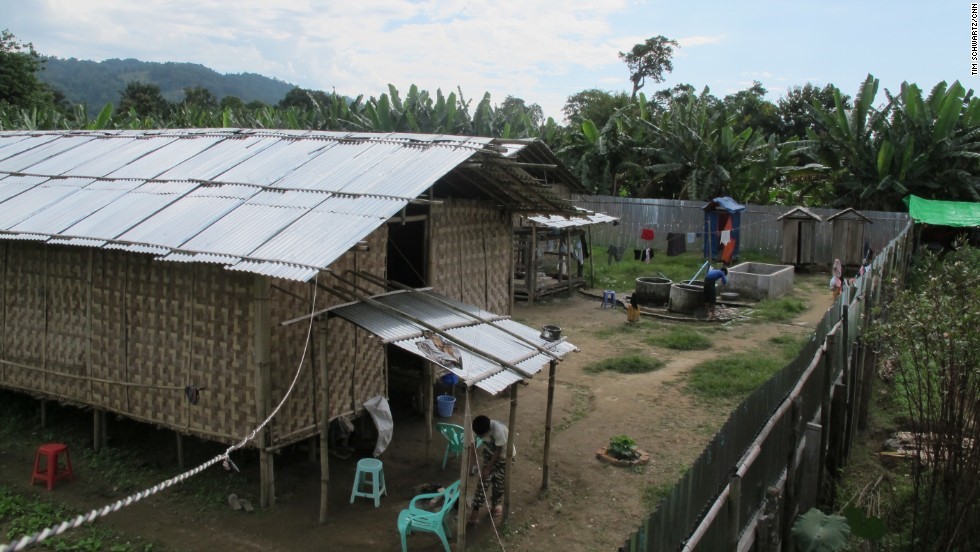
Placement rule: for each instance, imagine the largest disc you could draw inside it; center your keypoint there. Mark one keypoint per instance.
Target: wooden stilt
(262, 325)
(180, 450)
(428, 398)
(591, 259)
(531, 275)
(552, 366)
(511, 430)
(464, 471)
(96, 430)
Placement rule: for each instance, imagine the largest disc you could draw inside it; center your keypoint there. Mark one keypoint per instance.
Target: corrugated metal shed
(482, 338)
(280, 203)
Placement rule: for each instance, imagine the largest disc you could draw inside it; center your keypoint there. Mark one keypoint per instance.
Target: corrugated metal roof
(480, 336)
(281, 203)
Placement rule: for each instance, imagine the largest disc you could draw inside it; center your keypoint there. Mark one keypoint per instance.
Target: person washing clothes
(710, 289)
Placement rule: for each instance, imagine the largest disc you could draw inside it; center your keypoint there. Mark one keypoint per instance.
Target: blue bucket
(445, 405)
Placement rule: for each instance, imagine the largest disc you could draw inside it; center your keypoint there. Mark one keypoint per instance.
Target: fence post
(828, 383)
(789, 493)
(734, 507)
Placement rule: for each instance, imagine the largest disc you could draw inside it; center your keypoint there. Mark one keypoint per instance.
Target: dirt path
(589, 505)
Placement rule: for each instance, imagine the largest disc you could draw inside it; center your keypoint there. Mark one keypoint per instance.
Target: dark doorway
(406, 253)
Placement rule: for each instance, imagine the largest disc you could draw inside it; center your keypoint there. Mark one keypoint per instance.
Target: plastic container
(445, 405)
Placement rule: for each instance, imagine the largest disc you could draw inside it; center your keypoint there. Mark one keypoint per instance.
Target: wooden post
(262, 327)
(591, 258)
(734, 510)
(531, 276)
(825, 428)
(464, 471)
(428, 398)
(96, 430)
(321, 331)
(568, 259)
(44, 413)
(547, 424)
(509, 451)
(790, 512)
(180, 450)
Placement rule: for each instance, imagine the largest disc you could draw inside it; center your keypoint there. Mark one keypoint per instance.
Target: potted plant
(623, 447)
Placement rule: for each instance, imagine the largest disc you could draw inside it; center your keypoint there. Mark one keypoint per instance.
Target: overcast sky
(539, 50)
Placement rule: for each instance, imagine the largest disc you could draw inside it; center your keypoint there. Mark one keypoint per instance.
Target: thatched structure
(149, 273)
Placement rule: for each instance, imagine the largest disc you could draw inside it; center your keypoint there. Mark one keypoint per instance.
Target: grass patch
(681, 339)
(782, 309)
(627, 364)
(653, 494)
(735, 377)
(20, 515)
(621, 329)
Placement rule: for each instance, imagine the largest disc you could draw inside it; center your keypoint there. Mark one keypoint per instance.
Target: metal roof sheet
(274, 202)
(480, 336)
(586, 218)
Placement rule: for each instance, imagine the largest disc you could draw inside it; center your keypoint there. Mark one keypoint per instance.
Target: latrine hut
(847, 235)
(171, 276)
(722, 229)
(799, 236)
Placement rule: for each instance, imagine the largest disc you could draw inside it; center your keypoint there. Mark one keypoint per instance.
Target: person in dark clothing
(710, 291)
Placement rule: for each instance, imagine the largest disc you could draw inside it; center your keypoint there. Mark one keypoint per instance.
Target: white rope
(64, 526)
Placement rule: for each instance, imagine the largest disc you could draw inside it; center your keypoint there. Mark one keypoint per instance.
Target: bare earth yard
(589, 506)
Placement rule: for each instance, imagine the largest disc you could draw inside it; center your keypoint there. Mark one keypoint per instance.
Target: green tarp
(943, 213)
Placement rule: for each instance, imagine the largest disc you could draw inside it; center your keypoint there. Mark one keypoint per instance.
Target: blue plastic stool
(372, 467)
(608, 298)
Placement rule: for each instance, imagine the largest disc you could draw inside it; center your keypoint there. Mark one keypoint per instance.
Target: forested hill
(96, 83)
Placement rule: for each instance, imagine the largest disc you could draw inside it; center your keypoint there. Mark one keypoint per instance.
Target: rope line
(93, 515)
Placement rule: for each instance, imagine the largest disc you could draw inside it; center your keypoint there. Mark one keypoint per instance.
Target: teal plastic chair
(454, 434)
(418, 520)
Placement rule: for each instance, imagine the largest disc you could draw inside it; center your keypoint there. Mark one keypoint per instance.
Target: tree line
(815, 146)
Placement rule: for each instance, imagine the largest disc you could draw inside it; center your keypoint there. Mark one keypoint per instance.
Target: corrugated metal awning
(584, 219)
(495, 351)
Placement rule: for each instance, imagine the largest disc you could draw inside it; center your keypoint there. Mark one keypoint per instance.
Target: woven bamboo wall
(24, 316)
(122, 332)
(471, 252)
(356, 359)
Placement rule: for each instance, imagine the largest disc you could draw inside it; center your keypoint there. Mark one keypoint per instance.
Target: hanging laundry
(726, 236)
(726, 253)
(690, 237)
(646, 234)
(647, 255)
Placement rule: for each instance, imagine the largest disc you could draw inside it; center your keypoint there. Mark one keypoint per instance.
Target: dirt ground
(589, 505)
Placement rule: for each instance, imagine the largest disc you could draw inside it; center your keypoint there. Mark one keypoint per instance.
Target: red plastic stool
(51, 472)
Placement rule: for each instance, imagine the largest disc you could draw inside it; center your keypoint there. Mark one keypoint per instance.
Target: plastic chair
(418, 520)
(374, 468)
(454, 434)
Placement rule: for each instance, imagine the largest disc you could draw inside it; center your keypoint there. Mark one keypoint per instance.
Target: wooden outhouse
(722, 229)
(847, 234)
(799, 236)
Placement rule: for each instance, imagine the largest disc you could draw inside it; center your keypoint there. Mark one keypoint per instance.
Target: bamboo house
(172, 276)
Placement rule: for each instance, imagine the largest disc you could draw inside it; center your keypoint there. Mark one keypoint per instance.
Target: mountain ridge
(95, 83)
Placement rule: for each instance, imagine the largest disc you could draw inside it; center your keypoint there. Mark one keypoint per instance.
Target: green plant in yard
(623, 448)
(734, 377)
(681, 339)
(781, 309)
(628, 364)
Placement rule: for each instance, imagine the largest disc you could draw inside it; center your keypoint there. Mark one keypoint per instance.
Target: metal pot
(550, 333)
